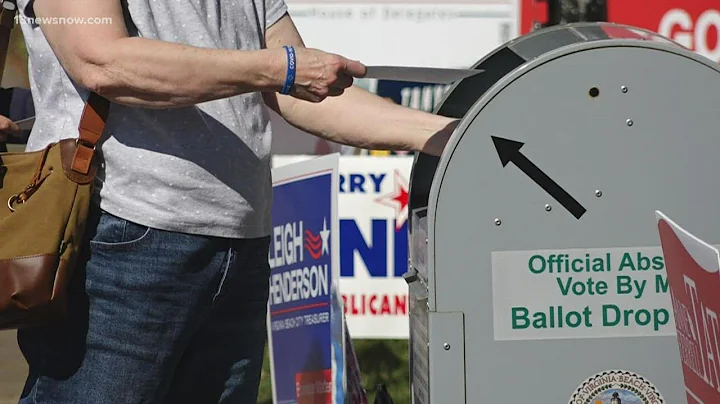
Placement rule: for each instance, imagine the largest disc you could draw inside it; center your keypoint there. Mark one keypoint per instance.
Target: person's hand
(8, 128)
(319, 75)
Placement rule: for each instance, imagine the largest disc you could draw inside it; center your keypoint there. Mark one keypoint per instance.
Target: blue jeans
(155, 317)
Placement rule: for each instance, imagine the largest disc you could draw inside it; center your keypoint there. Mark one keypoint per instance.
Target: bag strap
(95, 112)
(92, 125)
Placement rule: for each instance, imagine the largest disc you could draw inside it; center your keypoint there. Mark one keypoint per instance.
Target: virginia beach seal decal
(616, 387)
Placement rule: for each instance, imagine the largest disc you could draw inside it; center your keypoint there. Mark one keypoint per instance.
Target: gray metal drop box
(536, 274)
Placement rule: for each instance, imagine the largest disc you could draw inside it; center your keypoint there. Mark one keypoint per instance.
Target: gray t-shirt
(203, 169)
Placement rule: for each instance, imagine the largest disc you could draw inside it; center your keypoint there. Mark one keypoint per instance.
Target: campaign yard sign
(305, 318)
(373, 211)
(694, 279)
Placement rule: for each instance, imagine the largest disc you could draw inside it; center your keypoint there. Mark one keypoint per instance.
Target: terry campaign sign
(692, 271)
(373, 211)
(305, 319)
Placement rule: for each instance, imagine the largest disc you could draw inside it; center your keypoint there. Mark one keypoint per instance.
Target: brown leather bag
(44, 205)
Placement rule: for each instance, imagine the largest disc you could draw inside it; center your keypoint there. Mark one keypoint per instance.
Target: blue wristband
(290, 77)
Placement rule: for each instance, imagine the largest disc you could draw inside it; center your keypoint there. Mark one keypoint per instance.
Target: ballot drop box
(536, 273)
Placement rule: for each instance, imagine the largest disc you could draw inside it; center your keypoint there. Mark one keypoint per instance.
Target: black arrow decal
(509, 150)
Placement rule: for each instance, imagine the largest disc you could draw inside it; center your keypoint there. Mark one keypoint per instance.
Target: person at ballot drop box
(170, 303)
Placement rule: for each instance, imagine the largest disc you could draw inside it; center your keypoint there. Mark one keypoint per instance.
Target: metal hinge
(63, 247)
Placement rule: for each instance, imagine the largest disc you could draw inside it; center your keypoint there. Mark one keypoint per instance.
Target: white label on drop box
(581, 293)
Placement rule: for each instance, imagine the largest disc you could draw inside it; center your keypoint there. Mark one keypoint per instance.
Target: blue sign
(305, 319)
(373, 251)
(372, 248)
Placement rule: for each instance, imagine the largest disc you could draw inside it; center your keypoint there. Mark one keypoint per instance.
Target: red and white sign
(693, 277)
(694, 24)
(531, 12)
(314, 387)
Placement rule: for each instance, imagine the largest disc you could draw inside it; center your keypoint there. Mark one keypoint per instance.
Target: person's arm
(357, 117)
(155, 74)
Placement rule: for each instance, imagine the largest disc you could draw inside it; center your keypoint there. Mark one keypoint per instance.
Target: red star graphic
(398, 200)
(402, 198)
